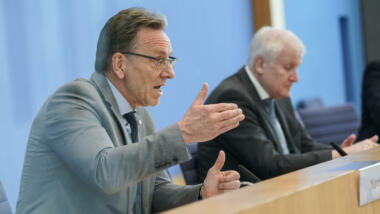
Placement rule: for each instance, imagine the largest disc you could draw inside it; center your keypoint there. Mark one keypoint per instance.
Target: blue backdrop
(322, 72)
(45, 43)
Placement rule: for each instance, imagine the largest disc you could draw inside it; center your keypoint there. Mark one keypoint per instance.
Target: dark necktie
(280, 135)
(131, 119)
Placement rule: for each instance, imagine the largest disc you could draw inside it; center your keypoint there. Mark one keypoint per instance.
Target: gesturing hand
(368, 143)
(348, 141)
(217, 181)
(205, 122)
(350, 148)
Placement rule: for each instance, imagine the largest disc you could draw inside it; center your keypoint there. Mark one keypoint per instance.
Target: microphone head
(247, 174)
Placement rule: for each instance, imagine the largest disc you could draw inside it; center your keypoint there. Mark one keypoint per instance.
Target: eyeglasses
(160, 62)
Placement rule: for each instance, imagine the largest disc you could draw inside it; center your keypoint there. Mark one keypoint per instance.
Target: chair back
(189, 168)
(313, 102)
(328, 124)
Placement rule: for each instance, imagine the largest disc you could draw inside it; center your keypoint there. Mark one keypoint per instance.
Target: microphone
(338, 149)
(248, 174)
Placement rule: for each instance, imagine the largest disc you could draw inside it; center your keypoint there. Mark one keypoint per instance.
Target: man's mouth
(158, 86)
(158, 89)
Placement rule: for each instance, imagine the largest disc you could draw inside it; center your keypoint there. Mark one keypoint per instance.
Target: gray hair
(119, 33)
(268, 42)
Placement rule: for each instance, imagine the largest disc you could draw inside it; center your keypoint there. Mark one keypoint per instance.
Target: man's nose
(168, 72)
(294, 76)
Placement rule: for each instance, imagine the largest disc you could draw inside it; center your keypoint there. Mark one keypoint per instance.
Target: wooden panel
(261, 13)
(330, 187)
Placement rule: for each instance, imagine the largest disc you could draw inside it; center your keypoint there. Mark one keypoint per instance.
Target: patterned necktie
(280, 135)
(131, 119)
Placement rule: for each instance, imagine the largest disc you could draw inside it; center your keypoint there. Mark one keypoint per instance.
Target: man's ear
(119, 65)
(259, 64)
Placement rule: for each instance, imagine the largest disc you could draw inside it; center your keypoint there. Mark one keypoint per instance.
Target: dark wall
(371, 28)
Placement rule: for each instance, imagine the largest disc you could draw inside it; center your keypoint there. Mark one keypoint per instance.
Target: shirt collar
(260, 90)
(121, 102)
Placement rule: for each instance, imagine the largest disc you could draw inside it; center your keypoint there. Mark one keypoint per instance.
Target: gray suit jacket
(254, 143)
(79, 160)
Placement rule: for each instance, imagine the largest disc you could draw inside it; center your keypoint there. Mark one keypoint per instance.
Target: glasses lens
(163, 63)
(173, 61)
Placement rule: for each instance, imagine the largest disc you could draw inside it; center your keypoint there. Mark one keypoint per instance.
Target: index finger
(201, 95)
(374, 138)
(220, 107)
(230, 175)
(348, 141)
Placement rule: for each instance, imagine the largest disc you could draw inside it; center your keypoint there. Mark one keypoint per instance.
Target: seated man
(370, 101)
(93, 147)
(270, 141)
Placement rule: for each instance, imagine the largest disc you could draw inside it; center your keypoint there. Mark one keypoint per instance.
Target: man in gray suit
(93, 147)
(270, 141)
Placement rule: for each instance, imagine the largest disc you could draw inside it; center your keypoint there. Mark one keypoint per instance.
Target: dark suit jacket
(254, 143)
(79, 160)
(370, 101)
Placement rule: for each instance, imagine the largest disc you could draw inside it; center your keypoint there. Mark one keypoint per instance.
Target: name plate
(369, 188)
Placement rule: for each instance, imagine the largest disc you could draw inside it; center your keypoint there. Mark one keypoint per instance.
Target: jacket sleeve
(371, 93)
(251, 144)
(74, 122)
(300, 136)
(168, 195)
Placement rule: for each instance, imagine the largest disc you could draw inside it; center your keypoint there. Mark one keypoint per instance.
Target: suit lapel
(260, 107)
(110, 101)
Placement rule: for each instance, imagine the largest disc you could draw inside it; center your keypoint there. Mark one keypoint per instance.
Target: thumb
(348, 141)
(219, 163)
(201, 95)
(374, 138)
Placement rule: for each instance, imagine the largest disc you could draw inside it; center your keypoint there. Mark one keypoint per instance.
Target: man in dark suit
(370, 101)
(270, 141)
(93, 148)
